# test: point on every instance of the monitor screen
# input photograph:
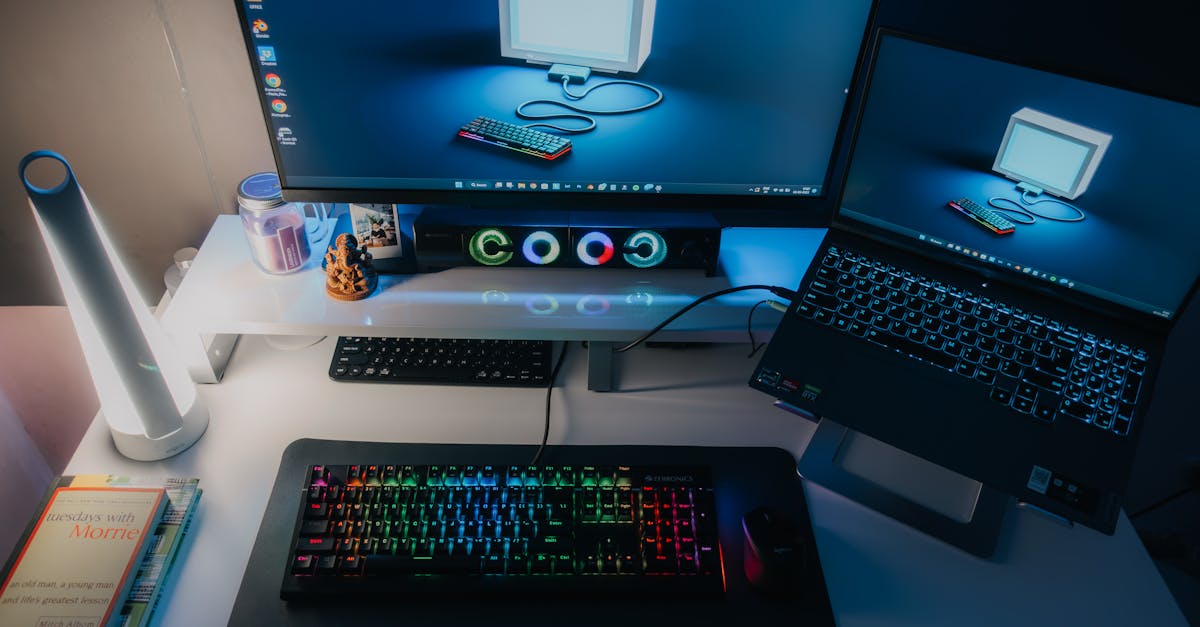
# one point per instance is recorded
(1050, 153)
(716, 104)
(616, 35)
(930, 131)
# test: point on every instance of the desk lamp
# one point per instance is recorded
(149, 401)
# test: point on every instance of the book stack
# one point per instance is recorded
(152, 577)
(99, 551)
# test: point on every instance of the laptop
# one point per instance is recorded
(1009, 252)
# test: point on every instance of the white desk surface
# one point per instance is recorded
(877, 570)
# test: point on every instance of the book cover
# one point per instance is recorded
(183, 496)
(76, 562)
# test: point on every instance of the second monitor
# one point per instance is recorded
(713, 106)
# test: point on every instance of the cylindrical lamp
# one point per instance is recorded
(146, 395)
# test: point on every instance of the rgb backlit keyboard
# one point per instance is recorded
(515, 137)
(368, 530)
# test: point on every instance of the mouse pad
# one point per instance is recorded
(744, 478)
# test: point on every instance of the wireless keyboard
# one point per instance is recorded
(515, 137)
(374, 530)
(442, 361)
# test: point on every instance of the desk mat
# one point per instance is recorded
(743, 478)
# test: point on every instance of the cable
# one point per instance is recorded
(774, 289)
(750, 329)
(591, 122)
(549, 388)
(1159, 503)
(1024, 208)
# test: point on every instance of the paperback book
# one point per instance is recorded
(77, 559)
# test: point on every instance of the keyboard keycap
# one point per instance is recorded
(560, 526)
(1034, 364)
(521, 363)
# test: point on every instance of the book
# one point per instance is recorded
(183, 496)
(76, 561)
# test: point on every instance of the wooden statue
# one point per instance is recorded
(349, 273)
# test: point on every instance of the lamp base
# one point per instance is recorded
(138, 447)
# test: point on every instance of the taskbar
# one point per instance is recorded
(534, 185)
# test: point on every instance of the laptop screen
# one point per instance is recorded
(1080, 185)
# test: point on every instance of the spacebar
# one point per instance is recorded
(418, 373)
(909, 347)
(397, 565)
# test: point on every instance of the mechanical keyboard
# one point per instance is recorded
(515, 137)
(437, 361)
(385, 529)
(1033, 364)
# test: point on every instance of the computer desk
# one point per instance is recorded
(877, 570)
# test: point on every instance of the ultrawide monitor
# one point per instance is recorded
(737, 105)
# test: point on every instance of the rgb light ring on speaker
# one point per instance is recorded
(543, 305)
(592, 305)
(591, 238)
(482, 237)
(535, 238)
(658, 249)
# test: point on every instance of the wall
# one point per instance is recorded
(47, 402)
(152, 102)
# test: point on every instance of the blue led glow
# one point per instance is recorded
(544, 237)
(658, 249)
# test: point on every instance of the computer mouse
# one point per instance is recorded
(775, 553)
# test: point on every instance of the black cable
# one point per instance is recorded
(1159, 503)
(774, 289)
(1024, 208)
(549, 388)
(591, 122)
(750, 328)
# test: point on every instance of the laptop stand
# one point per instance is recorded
(977, 532)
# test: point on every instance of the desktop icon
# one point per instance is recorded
(278, 106)
(272, 80)
(266, 54)
(259, 26)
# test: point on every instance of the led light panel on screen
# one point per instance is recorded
(1051, 153)
(609, 35)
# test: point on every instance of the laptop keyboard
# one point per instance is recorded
(1033, 364)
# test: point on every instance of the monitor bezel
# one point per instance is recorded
(747, 210)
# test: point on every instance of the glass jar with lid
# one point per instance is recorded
(281, 234)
